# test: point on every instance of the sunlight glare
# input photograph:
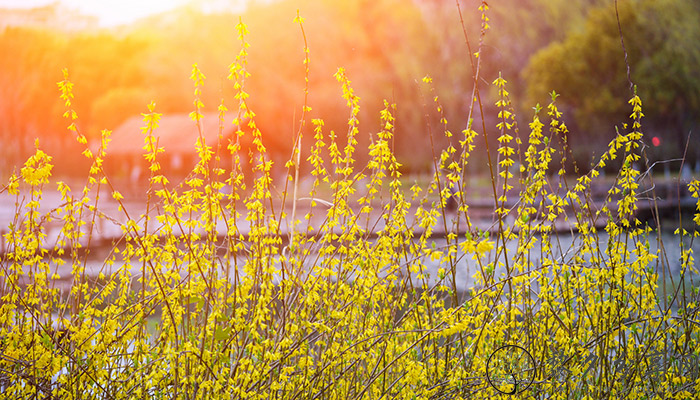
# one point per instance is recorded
(118, 12)
(109, 12)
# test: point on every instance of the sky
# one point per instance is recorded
(118, 12)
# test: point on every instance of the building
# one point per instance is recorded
(177, 135)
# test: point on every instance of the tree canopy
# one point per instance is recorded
(386, 47)
(588, 69)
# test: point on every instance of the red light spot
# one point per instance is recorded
(656, 141)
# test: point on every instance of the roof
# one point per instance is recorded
(176, 133)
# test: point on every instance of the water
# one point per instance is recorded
(564, 249)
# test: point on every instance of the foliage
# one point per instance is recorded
(588, 70)
(387, 46)
(213, 291)
(527, 26)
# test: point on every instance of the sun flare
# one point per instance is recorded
(109, 12)
(118, 12)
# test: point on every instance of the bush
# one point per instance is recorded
(228, 293)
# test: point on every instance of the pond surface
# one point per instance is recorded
(466, 266)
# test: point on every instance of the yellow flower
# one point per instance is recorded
(484, 246)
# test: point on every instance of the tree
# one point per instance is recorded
(662, 40)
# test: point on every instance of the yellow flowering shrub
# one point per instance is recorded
(350, 308)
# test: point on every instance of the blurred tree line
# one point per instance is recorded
(662, 40)
(386, 46)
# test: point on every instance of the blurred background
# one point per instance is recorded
(123, 55)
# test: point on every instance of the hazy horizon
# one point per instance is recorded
(113, 13)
